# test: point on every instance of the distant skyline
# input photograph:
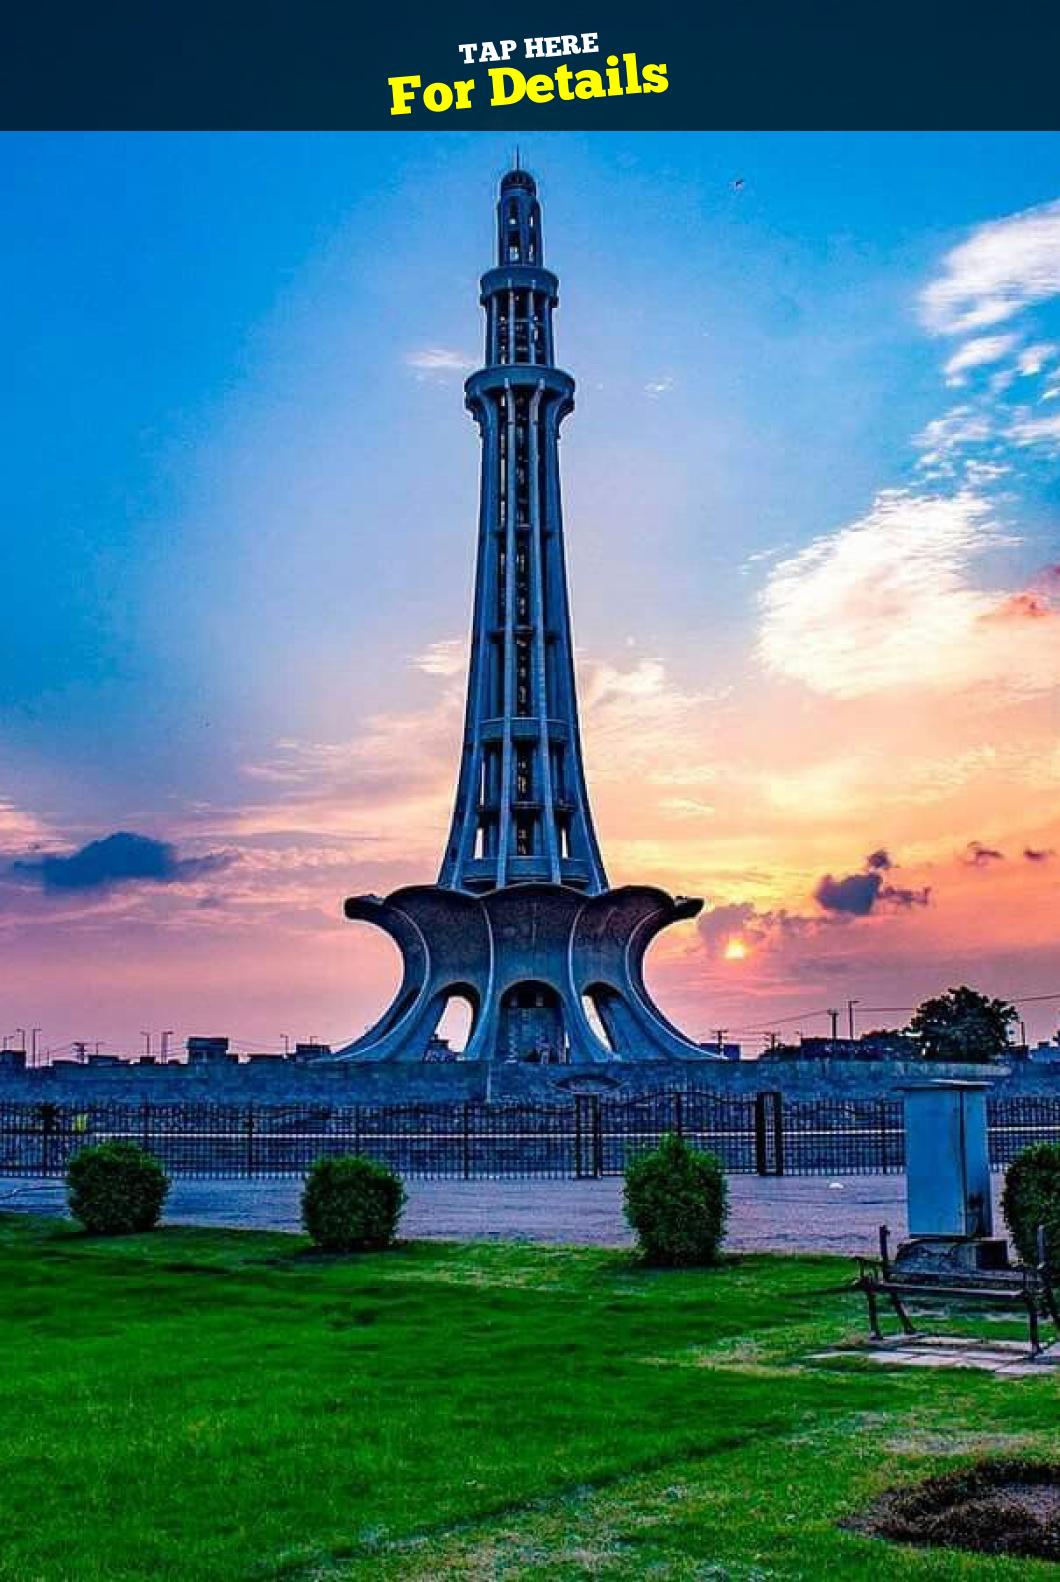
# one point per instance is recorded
(811, 515)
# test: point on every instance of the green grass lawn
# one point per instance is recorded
(220, 1404)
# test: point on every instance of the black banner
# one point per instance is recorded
(332, 64)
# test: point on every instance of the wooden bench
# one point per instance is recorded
(1029, 1287)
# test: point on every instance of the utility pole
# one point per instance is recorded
(20, 1033)
(147, 1042)
(850, 1017)
(80, 1050)
(1023, 1033)
(286, 1043)
(33, 1045)
(834, 1015)
(164, 1052)
(721, 1031)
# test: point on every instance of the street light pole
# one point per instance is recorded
(164, 1052)
(147, 1043)
(850, 1017)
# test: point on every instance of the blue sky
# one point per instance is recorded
(240, 486)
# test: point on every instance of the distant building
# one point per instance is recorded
(310, 1051)
(886, 1045)
(725, 1051)
(201, 1051)
(12, 1060)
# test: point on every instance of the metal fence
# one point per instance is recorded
(588, 1136)
(1016, 1123)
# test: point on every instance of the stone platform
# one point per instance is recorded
(1005, 1359)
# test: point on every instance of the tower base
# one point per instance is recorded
(551, 976)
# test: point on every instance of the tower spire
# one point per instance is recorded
(522, 809)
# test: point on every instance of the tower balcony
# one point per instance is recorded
(481, 872)
(493, 381)
(525, 728)
(519, 277)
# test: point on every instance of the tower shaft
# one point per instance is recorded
(521, 810)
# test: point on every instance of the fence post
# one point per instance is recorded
(249, 1171)
(778, 1132)
(761, 1161)
(48, 1117)
(467, 1140)
(598, 1137)
(769, 1134)
(579, 1100)
(678, 1114)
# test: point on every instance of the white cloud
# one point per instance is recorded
(687, 807)
(1032, 359)
(887, 602)
(978, 353)
(19, 829)
(1036, 431)
(659, 387)
(633, 718)
(438, 361)
(941, 440)
(446, 657)
(1003, 267)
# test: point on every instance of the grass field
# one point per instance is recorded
(210, 1404)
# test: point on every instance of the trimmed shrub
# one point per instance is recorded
(1031, 1197)
(352, 1204)
(677, 1202)
(115, 1189)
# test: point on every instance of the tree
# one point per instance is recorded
(963, 1024)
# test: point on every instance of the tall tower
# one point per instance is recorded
(521, 924)
(522, 810)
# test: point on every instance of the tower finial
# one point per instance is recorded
(517, 165)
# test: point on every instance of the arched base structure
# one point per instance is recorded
(525, 957)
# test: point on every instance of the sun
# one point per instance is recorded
(735, 949)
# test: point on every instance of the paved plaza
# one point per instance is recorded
(792, 1214)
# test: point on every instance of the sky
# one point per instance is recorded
(811, 497)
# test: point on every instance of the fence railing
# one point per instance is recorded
(589, 1136)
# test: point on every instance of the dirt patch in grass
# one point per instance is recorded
(1000, 1507)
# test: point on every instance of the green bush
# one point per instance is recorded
(352, 1204)
(1031, 1197)
(677, 1202)
(115, 1189)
